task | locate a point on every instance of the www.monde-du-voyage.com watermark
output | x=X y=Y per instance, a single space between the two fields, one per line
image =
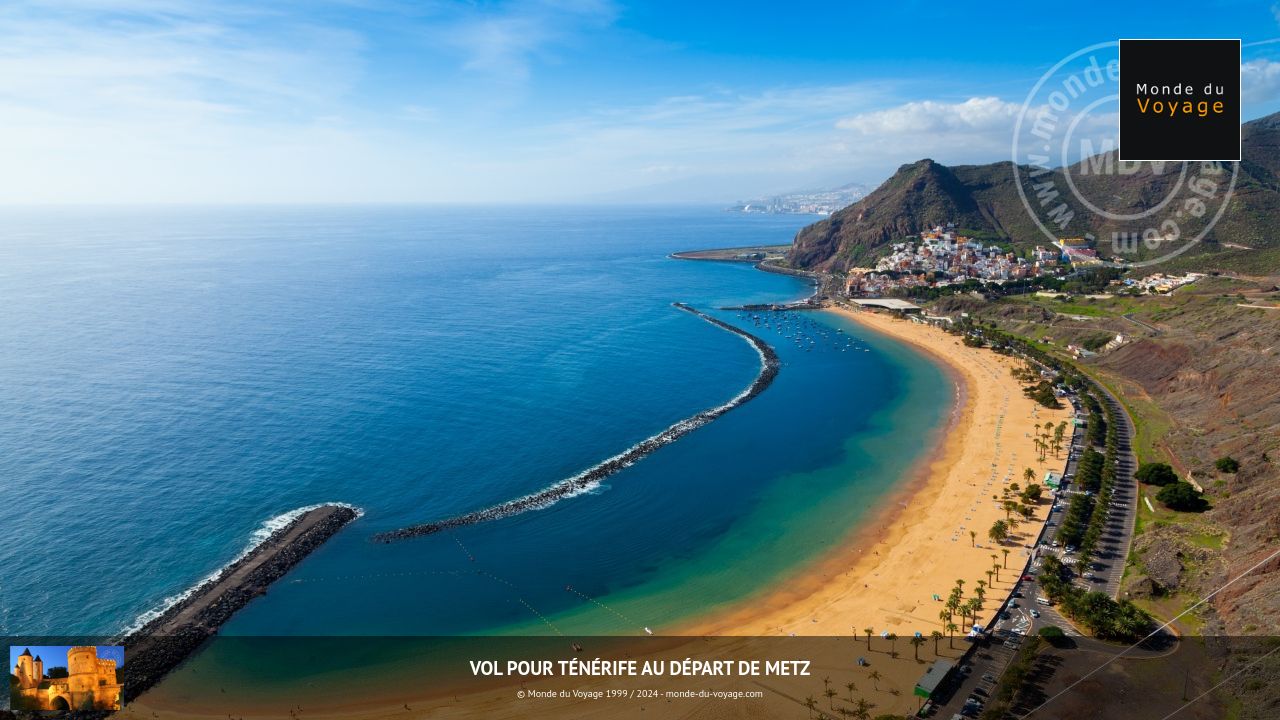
x=1072 y=182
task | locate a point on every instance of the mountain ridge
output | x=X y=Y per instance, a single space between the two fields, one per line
x=984 y=200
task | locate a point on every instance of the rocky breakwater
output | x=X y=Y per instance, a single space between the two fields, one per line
x=591 y=477
x=163 y=643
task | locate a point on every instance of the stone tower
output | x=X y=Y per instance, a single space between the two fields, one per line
x=37 y=669
x=82 y=670
x=25 y=670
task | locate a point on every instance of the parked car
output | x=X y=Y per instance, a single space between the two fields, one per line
x=1035 y=613
x=989 y=677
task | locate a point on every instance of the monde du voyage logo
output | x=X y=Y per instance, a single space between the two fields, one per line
x=1180 y=100
x=1126 y=152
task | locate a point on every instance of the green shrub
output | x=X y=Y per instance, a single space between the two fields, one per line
x=1156 y=474
x=1181 y=496
x=1227 y=464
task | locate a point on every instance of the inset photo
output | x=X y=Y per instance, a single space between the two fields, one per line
x=64 y=678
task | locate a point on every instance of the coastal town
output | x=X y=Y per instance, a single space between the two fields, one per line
x=943 y=257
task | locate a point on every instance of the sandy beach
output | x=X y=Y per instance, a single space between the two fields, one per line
x=885 y=575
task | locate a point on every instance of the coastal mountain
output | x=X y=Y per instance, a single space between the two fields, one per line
x=983 y=201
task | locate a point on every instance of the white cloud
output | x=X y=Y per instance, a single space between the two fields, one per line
x=977 y=114
x=1259 y=81
x=505 y=43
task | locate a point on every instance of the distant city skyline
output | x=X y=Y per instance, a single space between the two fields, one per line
x=549 y=101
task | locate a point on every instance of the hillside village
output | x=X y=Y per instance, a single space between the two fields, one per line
x=942 y=257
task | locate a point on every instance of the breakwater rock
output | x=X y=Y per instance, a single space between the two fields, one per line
x=590 y=478
x=160 y=645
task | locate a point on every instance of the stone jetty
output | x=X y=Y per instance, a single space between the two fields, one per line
x=590 y=478
x=162 y=644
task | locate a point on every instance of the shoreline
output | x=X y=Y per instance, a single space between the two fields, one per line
x=881 y=575
x=891 y=572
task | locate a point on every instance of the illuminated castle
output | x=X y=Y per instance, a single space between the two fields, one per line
x=90 y=682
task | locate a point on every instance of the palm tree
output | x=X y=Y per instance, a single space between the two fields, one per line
x=951 y=630
x=989 y=574
x=973 y=538
x=868 y=631
x=810 y=703
x=831 y=695
x=999 y=531
x=875 y=678
x=936 y=637
x=1029 y=474
x=893 y=644
x=1006 y=556
x=863 y=710
x=851 y=686
x=916 y=642
x=996 y=568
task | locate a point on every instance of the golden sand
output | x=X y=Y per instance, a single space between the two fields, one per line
x=886 y=576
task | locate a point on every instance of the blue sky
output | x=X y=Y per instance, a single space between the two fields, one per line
x=56 y=655
x=138 y=101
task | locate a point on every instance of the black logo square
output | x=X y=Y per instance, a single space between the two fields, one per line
x=1180 y=100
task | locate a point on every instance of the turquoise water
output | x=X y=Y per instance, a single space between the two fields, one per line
x=175 y=378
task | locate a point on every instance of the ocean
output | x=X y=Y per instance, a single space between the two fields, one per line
x=177 y=380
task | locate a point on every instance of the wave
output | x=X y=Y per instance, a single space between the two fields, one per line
x=263 y=533
x=590 y=479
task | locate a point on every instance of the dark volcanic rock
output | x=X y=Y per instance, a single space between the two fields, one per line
x=162 y=644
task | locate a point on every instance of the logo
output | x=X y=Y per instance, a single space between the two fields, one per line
x=1098 y=209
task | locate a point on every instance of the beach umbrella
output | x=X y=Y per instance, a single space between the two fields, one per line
x=918 y=634
x=884 y=634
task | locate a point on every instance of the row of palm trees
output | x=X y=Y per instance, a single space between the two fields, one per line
x=1050 y=438
x=860 y=707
